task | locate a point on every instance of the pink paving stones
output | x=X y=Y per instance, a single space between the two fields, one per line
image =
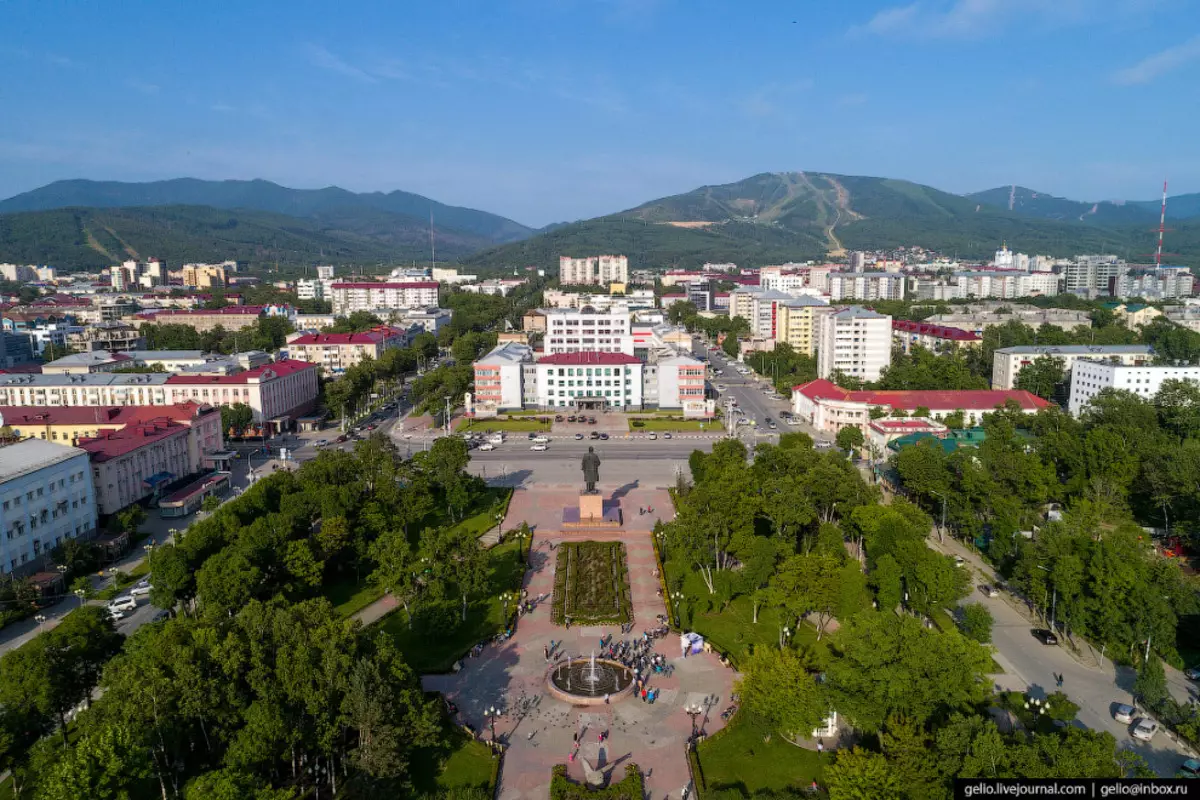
x=539 y=729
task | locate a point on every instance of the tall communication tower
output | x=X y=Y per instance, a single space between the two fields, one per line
x=1162 y=227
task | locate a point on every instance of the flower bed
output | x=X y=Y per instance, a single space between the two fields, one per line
x=591 y=584
x=629 y=788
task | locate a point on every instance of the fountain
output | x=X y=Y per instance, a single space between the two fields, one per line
x=588 y=680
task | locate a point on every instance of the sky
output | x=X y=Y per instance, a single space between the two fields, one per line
x=555 y=110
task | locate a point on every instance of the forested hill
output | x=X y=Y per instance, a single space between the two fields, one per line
x=260 y=195
x=775 y=217
x=92 y=238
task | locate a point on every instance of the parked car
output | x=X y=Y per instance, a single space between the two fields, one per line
x=653 y=435
x=1124 y=714
x=1192 y=673
x=122 y=606
x=989 y=590
x=539 y=447
x=959 y=561
x=541 y=439
x=591 y=420
x=160 y=615
x=320 y=442
x=558 y=417
x=141 y=588
x=571 y=418
x=578 y=437
x=666 y=435
x=1144 y=729
x=1044 y=636
x=1189 y=769
x=594 y=435
x=487 y=446
x=341 y=438
x=604 y=437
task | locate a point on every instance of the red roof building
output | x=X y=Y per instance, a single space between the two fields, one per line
x=277 y=393
x=588 y=358
x=230 y=318
x=135 y=462
x=935 y=338
x=335 y=353
x=828 y=407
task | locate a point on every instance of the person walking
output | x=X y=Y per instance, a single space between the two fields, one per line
x=820 y=747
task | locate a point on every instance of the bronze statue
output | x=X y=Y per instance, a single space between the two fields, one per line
x=591 y=470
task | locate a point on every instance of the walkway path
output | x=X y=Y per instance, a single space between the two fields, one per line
x=510 y=676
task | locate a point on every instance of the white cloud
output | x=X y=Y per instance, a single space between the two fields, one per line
x=1159 y=64
x=970 y=19
x=323 y=58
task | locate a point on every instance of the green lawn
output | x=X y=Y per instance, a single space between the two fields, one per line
x=506 y=425
x=349 y=596
x=485 y=617
x=460 y=763
x=739 y=758
x=639 y=425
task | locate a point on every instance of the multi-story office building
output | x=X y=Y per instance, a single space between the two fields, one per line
x=855 y=342
x=137 y=461
x=593 y=270
x=369 y=296
x=797 y=323
x=589 y=380
x=866 y=286
x=1089 y=378
x=338 y=352
x=573 y=331
x=700 y=294
x=46 y=498
x=15 y=349
x=1007 y=362
x=1093 y=276
x=499 y=378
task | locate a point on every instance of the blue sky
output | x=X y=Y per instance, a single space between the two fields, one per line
x=547 y=110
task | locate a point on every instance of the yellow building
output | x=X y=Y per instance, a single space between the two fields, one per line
x=204 y=276
x=796 y=323
x=1134 y=314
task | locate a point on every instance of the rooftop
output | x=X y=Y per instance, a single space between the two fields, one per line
x=31 y=455
x=93 y=359
x=971 y=399
x=113 y=444
x=387 y=285
x=507 y=353
x=1077 y=349
x=167 y=355
x=264 y=373
x=906 y=425
x=589 y=357
x=376 y=335
x=858 y=312
x=98 y=415
x=90 y=379
x=938 y=331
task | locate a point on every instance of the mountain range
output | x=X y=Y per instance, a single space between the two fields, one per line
x=766 y=218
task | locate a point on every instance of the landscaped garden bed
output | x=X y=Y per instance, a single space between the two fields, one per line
x=591 y=584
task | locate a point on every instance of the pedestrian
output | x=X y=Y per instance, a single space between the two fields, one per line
x=606 y=698
x=820 y=747
x=546 y=651
x=576 y=737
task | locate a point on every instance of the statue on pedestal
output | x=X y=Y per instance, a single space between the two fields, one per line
x=591 y=470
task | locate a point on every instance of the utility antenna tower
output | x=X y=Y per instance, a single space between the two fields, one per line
x=1161 y=229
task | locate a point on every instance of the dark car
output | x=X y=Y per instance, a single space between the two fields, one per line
x=558 y=417
x=1044 y=636
x=571 y=418
x=591 y=421
x=341 y=438
x=595 y=435
x=604 y=437
x=666 y=436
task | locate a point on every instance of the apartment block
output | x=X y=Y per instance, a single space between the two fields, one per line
x=1007 y=362
x=855 y=342
x=866 y=286
x=369 y=296
x=593 y=270
x=1089 y=378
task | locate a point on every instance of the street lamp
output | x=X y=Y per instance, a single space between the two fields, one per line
x=506 y=597
x=521 y=537
x=694 y=710
x=148 y=547
x=40 y=619
x=784 y=635
x=80 y=593
x=491 y=714
x=677 y=599
x=171 y=532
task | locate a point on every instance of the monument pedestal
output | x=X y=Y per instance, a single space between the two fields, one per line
x=592 y=513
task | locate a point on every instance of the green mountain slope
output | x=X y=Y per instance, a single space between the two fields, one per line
x=260 y=195
x=91 y=238
x=1030 y=203
x=774 y=217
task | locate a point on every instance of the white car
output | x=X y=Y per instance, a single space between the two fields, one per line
x=487 y=446
x=1124 y=714
x=539 y=447
x=122 y=607
x=141 y=588
x=652 y=435
x=541 y=440
x=1144 y=729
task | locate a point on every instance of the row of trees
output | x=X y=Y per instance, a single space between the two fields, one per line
x=350 y=390
x=267 y=333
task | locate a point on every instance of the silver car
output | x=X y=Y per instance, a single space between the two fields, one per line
x=1144 y=729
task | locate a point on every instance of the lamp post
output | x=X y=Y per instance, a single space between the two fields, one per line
x=80 y=593
x=171 y=533
x=40 y=619
x=506 y=597
x=149 y=548
x=521 y=537
x=784 y=635
x=1054 y=600
x=942 y=527
x=677 y=599
x=694 y=710
x=491 y=714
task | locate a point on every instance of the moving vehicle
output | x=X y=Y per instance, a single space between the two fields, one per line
x=141 y=588
x=594 y=435
x=320 y=442
x=1044 y=636
x=1193 y=673
x=541 y=439
x=122 y=607
x=989 y=590
x=578 y=437
x=496 y=438
x=539 y=447
x=666 y=436
x=487 y=446
x=1144 y=729
x=653 y=435
x=1123 y=713
x=604 y=437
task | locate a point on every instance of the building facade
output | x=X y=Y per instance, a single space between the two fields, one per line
x=1007 y=362
x=1089 y=378
x=934 y=338
x=575 y=331
x=866 y=286
x=855 y=342
x=230 y=318
x=135 y=462
x=337 y=352
x=46 y=498
x=797 y=323
x=593 y=270
x=589 y=380
x=499 y=377
x=368 y=296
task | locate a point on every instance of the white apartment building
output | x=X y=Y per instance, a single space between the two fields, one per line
x=573 y=331
x=1163 y=283
x=1093 y=276
x=855 y=342
x=368 y=296
x=588 y=380
x=46 y=497
x=1007 y=362
x=983 y=283
x=593 y=270
x=1089 y=378
x=314 y=288
x=866 y=286
x=499 y=378
x=18 y=273
x=325 y=272
x=634 y=299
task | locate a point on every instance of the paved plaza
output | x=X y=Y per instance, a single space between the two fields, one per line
x=538 y=729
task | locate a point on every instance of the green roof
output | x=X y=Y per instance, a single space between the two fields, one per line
x=970 y=437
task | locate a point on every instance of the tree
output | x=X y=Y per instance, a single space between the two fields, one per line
x=103 y=765
x=236 y=418
x=887 y=664
x=849 y=438
x=174 y=581
x=976 y=623
x=777 y=687
x=232 y=784
x=1150 y=686
x=1178 y=406
x=860 y=774
x=955 y=420
x=1042 y=376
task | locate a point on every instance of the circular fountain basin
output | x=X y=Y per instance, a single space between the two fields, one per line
x=573 y=681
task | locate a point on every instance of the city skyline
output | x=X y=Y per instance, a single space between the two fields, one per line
x=544 y=111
